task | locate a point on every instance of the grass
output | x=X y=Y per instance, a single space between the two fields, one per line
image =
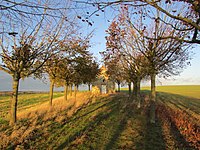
x=190 y=105
x=185 y=98
x=25 y=101
x=103 y=122
x=184 y=90
x=106 y=122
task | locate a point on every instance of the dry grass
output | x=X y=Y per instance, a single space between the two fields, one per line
x=26 y=100
x=40 y=118
x=59 y=105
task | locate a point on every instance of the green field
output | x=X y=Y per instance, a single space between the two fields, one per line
x=109 y=122
x=185 y=90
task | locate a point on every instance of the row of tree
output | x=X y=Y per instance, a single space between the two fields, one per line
x=73 y=65
x=131 y=56
x=49 y=22
x=44 y=47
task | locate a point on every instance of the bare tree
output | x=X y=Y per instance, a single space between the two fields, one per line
x=186 y=19
x=15 y=14
x=184 y=13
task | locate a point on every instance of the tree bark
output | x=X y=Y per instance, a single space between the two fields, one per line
x=113 y=87
x=153 y=98
x=138 y=93
x=129 y=88
x=51 y=92
x=89 y=87
x=14 y=100
x=70 y=89
x=66 y=92
x=118 y=86
x=135 y=88
x=75 y=91
x=77 y=86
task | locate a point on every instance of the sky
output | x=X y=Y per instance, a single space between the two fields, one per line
x=190 y=75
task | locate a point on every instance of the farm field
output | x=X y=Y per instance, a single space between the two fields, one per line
x=109 y=121
x=185 y=90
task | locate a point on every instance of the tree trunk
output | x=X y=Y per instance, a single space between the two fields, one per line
x=75 y=91
x=51 y=92
x=77 y=86
x=135 y=88
x=118 y=86
x=138 y=94
x=129 y=88
x=153 y=98
x=89 y=87
x=66 y=92
x=70 y=89
x=14 y=100
x=114 y=87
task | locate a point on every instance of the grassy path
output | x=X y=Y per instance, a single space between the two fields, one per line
x=110 y=123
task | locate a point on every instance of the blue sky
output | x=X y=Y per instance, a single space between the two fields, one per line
x=190 y=76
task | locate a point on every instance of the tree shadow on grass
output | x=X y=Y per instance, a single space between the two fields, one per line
x=153 y=138
x=180 y=101
x=90 y=123
x=120 y=128
x=177 y=100
x=152 y=135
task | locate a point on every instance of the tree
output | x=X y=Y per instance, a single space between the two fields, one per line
x=137 y=69
x=121 y=50
x=24 y=58
x=186 y=19
x=66 y=72
x=162 y=57
x=81 y=73
x=115 y=71
x=74 y=53
x=15 y=14
x=90 y=72
x=165 y=57
x=112 y=55
x=52 y=68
